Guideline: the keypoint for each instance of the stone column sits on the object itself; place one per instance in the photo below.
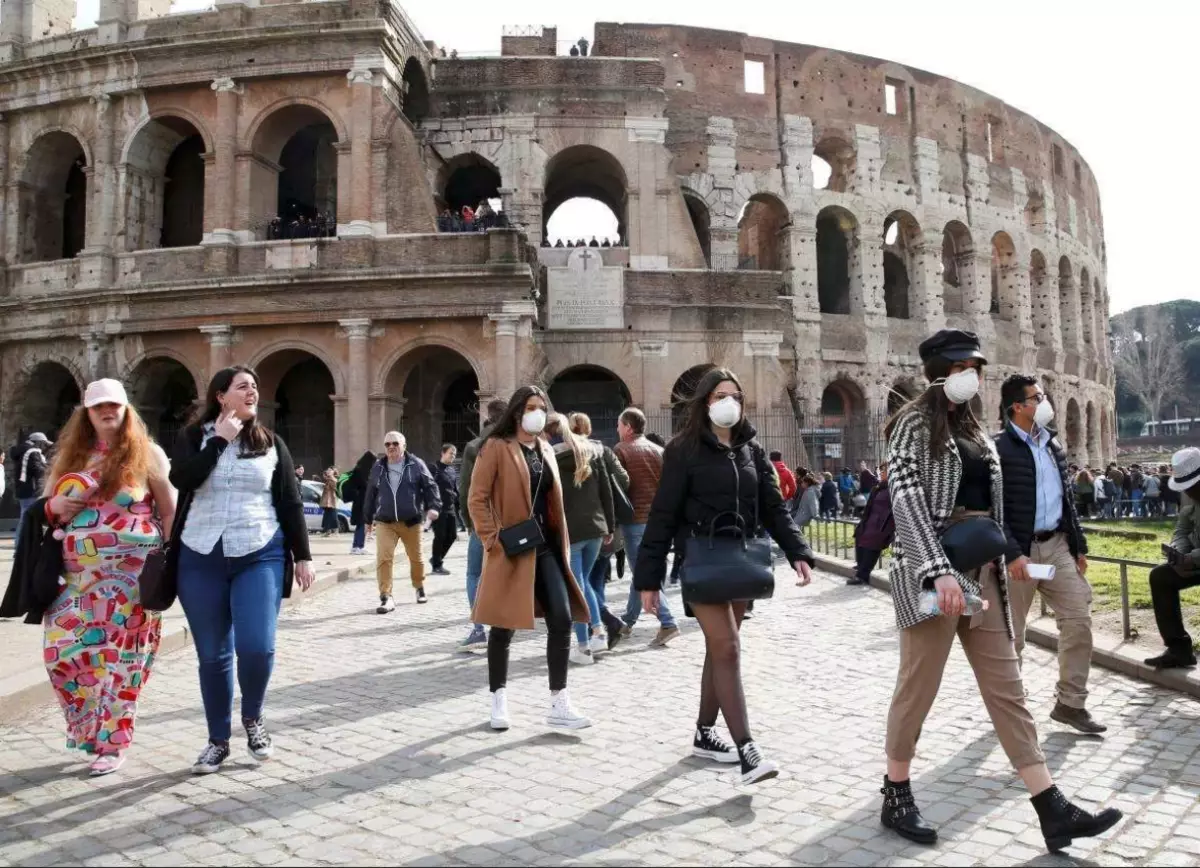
(219, 228)
(927, 286)
(362, 86)
(762, 348)
(97, 352)
(806, 308)
(112, 22)
(358, 332)
(506, 352)
(654, 391)
(220, 342)
(6, 254)
(341, 427)
(96, 267)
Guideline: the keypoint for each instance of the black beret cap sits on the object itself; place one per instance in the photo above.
(953, 344)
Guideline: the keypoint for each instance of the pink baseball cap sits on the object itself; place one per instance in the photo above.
(105, 392)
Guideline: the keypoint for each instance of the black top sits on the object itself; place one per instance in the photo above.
(539, 488)
(1020, 495)
(975, 487)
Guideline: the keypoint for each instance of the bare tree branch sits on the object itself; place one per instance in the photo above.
(1148, 359)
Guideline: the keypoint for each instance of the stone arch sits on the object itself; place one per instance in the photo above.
(416, 91)
(438, 390)
(1006, 291)
(53, 197)
(1073, 430)
(835, 158)
(46, 394)
(1087, 308)
(165, 392)
(162, 182)
(385, 369)
(296, 388)
(838, 267)
(760, 223)
(586, 172)
(957, 251)
(701, 219)
(1068, 305)
(901, 237)
(593, 390)
(264, 353)
(466, 180)
(844, 427)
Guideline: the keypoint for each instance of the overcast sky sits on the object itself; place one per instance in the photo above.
(1119, 85)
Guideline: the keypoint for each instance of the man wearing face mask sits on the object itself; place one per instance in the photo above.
(1042, 527)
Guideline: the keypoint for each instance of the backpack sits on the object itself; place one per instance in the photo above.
(341, 482)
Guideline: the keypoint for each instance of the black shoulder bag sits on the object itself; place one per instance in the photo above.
(527, 535)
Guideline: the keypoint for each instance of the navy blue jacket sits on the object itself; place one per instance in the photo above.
(415, 494)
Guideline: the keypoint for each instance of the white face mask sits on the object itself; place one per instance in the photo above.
(1044, 414)
(534, 421)
(960, 387)
(725, 413)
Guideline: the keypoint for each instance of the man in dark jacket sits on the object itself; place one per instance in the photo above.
(401, 495)
(495, 409)
(30, 461)
(1182, 569)
(1043, 528)
(874, 531)
(354, 490)
(445, 529)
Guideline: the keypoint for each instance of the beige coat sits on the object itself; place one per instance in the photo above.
(500, 498)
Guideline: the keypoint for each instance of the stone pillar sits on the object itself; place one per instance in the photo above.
(927, 291)
(806, 310)
(113, 21)
(98, 352)
(341, 428)
(12, 29)
(649, 242)
(385, 413)
(722, 163)
(762, 348)
(506, 352)
(96, 267)
(220, 342)
(654, 391)
(358, 332)
(219, 228)
(362, 86)
(5, 254)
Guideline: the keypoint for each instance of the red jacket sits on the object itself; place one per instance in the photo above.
(787, 480)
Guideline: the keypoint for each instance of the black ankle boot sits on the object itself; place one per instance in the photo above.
(1062, 821)
(901, 814)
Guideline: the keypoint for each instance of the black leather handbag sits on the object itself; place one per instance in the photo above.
(527, 535)
(727, 567)
(973, 542)
(158, 582)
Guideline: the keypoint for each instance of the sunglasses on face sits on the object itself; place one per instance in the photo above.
(391, 443)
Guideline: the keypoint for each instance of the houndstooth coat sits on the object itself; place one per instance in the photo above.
(923, 494)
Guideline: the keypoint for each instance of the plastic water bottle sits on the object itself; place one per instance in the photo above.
(929, 604)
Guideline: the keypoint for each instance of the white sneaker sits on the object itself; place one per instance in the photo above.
(581, 657)
(562, 715)
(599, 643)
(500, 709)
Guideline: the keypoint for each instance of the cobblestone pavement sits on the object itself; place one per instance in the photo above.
(383, 756)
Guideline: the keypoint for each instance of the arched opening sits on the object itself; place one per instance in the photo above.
(683, 391)
(1074, 432)
(440, 392)
(299, 198)
(296, 399)
(1092, 419)
(843, 432)
(593, 390)
(763, 217)
(837, 259)
(1035, 214)
(957, 250)
(416, 91)
(48, 398)
(1068, 304)
(833, 165)
(163, 185)
(164, 392)
(901, 392)
(701, 223)
(901, 235)
(53, 199)
(588, 185)
(1006, 294)
(1087, 309)
(468, 181)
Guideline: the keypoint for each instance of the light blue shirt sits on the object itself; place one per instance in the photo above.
(1049, 482)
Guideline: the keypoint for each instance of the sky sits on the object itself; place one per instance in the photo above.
(1120, 85)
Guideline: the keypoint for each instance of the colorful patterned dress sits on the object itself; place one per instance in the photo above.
(99, 642)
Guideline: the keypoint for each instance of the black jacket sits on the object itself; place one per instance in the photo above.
(191, 466)
(37, 566)
(446, 477)
(35, 470)
(701, 482)
(354, 489)
(415, 494)
(1020, 495)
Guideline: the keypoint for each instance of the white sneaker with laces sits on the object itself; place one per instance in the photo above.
(599, 643)
(562, 715)
(581, 657)
(500, 710)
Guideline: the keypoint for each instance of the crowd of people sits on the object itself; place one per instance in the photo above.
(979, 523)
(583, 242)
(302, 225)
(1134, 491)
(467, 219)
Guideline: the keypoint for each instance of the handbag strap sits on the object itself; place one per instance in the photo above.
(537, 488)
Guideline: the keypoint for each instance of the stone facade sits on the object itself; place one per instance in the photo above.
(143, 165)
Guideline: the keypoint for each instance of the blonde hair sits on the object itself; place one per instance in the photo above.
(581, 424)
(559, 424)
(126, 464)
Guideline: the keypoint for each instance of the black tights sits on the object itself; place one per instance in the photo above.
(550, 590)
(721, 683)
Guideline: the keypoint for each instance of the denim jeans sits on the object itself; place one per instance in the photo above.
(360, 535)
(1137, 503)
(583, 559)
(633, 609)
(25, 503)
(474, 568)
(232, 605)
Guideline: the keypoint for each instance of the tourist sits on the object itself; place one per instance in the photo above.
(354, 489)
(97, 626)
(30, 463)
(829, 497)
(1153, 494)
(1043, 528)
(716, 478)
(1182, 569)
(943, 469)
(495, 409)
(787, 479)
(643, 461)
(808, 501)
(515, 488)
(1170, 497)
(329, 502)
(1100, 487)
(299, 472)
(1085, 491)
(1137, 493)
(874, 531)
(401, 497)
(445, 527)
(243, 528)
(847, 487)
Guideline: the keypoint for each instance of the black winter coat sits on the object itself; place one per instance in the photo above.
(1020, 495)
(354, 489)
(34, 584)
(702, 482)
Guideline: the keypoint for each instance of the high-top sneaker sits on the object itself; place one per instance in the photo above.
(258, 740)
(708, 744)
(562, 715)
(901, 814)
(1062, 821)
(754, 767)
(500, 709)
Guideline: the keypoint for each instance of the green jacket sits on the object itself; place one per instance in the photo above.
(470, 453)
(1187, 534)
(589, 506)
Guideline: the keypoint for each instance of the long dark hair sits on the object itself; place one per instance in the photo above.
(696, 421)
(508, 423)
(946, 419)
(256, 438)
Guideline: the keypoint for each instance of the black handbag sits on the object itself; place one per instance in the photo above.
(622, 505)
(527, 535)
(973, 542)
(158, 582)
(726, 568)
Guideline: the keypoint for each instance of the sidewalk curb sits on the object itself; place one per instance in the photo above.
(1115, 657)
(27, 697)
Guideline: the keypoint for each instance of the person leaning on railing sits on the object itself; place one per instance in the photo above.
(1182, 569)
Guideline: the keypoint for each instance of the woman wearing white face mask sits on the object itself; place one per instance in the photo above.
(944, 468)
(516, 506)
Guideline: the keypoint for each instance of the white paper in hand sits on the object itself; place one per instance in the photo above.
(1041, 572)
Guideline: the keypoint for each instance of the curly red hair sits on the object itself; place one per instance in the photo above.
(126, 464)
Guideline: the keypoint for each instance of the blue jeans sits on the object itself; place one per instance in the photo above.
(232, 604)
(1137, 502)
(360, 535)
(583, 559)
(474, 567)
(633, 609)
(25, 503)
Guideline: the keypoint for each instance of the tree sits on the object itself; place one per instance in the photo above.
(1148, 358)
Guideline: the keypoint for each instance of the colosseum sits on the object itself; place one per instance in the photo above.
(264, 183)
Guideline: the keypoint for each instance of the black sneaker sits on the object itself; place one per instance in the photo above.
(441, 571)
(709, 745)
(754, 767)
(1172, 660)
(210, 758)
(421, 596)
(258, 740)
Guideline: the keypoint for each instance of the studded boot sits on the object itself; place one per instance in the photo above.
(1063, 821)
(901, 814)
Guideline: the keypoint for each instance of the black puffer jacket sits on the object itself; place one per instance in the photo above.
(701, 482)
(1020, 495)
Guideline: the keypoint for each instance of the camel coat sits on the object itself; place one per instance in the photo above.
(500, 498)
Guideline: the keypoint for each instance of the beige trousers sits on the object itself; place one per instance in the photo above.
(924, 650)
(1070, 596)
(387, 534)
